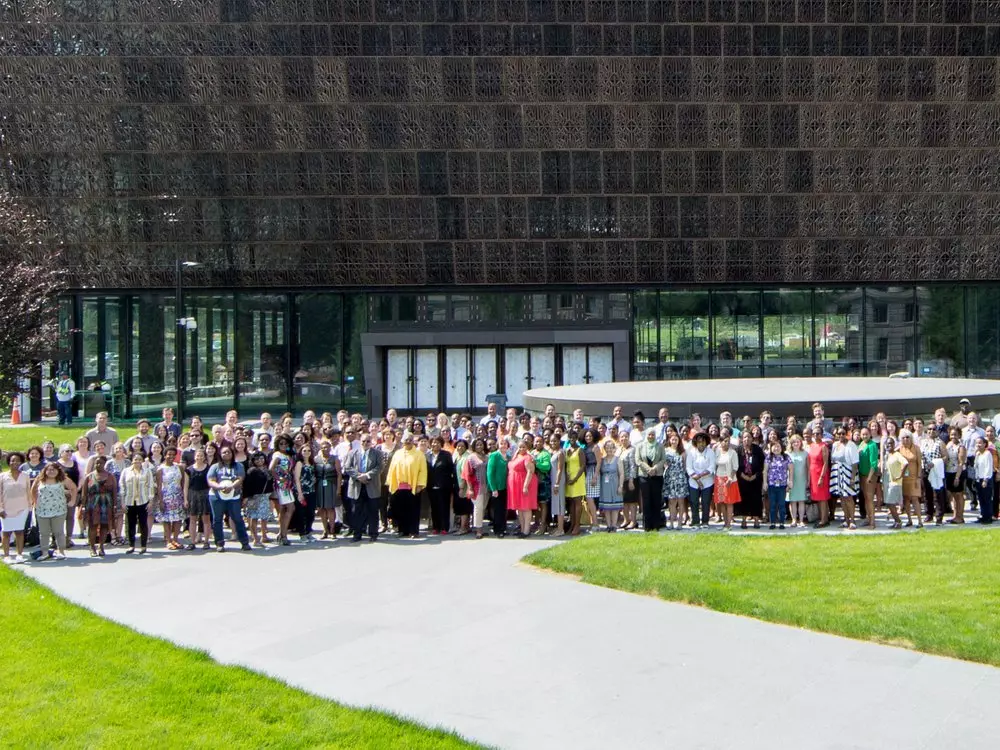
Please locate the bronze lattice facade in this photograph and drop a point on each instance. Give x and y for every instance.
(512, 142)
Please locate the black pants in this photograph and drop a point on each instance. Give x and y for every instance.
(651, 490)
(440, 507)
(498, 512)
(406, 512)
(365, 515)
(348, 505)
(304, 515)
(135, 513)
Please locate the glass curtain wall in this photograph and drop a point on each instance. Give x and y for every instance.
(318, 352)
(788, 333)
(646, 335)
(684, 326)
(153, 384)
(981, 306)
(209, 354)
(262, 352)
(837, 330)
(736, 335)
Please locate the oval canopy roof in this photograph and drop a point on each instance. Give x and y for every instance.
(783, 396)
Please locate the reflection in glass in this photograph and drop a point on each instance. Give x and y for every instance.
(153, 325)
(889, 330)
(736, 346)
(683, 334)
(355, 324)
(940, 316)
(645, 333)
(982, 329)
(317, 344)
(788, 333)
(263, 324)
(837, 326)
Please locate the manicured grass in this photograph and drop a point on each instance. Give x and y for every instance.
(935, 592)
(22, 438)
(73, 679)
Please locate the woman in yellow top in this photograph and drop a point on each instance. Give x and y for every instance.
(576, 482)
(407, 477)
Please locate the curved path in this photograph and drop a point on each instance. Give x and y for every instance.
(458, 634)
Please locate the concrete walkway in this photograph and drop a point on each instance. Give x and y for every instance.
(458, 634)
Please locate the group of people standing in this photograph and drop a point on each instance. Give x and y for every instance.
(545, 473)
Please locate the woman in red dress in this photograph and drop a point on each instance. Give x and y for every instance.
(522, 486)
(819, 476)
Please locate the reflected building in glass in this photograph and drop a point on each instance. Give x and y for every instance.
(419, 203)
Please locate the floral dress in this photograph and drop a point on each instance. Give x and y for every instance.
(284, 481)
(675, 478)
(171, 508)
(100, 499)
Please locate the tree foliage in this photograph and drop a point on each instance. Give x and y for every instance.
(34, 271)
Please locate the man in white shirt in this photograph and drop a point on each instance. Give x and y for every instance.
(726, 420)
(266, 427)
(618, 421)
(660, 429)
(491, 414)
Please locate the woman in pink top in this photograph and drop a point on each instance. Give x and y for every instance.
(522, 486)
(14, 506)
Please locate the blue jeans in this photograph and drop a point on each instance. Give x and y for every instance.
(235, 510)
(776, 503)
(702, 497)
(65, 411)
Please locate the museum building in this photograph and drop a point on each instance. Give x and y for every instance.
(290, 204)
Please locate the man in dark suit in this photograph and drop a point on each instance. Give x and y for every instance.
(363, 467)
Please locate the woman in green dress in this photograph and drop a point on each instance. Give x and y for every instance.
(798, 489)
(543, 470)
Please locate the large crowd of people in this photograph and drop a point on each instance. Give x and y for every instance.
(267, 482)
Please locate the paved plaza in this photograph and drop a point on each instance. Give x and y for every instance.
(459, 634)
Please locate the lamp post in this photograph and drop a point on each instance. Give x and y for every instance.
(183, 324)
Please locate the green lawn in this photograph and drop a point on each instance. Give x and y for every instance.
(934, 592)
(22, 438)
(73, 679)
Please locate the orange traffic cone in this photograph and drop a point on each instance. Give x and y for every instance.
(15, 412)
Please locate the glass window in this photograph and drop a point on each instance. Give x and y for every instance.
(837, 328)
(890, 325)
(517, 308)
(646, 334)
(787, 333)
(407, 304)
(565, 309)
(941, 326)
(383, 308)
(736, 346)
(318, 347)
(355, 394)
(209, 354)
(541, 307)
(461, 308)
(263, 357)
(103, 353)
(982, 328)
(153, 325)
(618, 306)
(593, 307)
(683, 333)
(437, 308)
